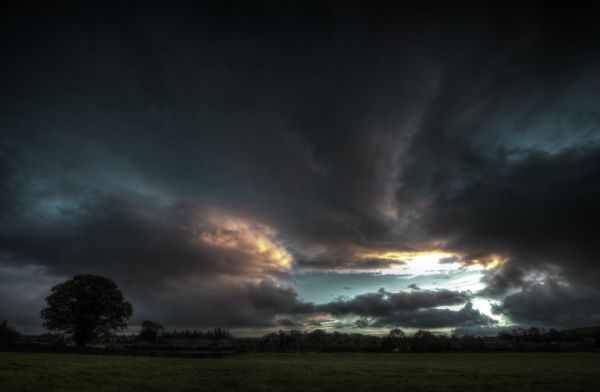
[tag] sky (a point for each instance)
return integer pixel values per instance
(351, 166)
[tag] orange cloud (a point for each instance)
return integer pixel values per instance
(255, 239)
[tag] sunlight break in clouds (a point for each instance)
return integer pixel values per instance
(255, 239)
(434, 262)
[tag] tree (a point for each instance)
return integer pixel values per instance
(150, 331)
(86, 306)
(423, 340)
(7, 333)
(394, 341)
(219, 334)
(396, 333)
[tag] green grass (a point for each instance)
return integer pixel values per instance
(304, 372)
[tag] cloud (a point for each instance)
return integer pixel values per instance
(361, 323)
(383, 302)
(501, 280)
(203, 160)
(506, 164)
(414, 309)
(552, 304)
(180, 263)
(467, 316)
(528, 211)
(449, 260)
(222, 302)
(105, 234)
(507, 155)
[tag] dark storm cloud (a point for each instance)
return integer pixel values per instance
(121, 238)
(161, 260)
(224, 302)
(344, 131)
(467, 316)
(415, 309)
(501, 280)
(383, 303)
(507, 161)
(553, 304)
(539, 210)
(228, 110)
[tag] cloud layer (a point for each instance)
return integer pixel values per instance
(204, 157)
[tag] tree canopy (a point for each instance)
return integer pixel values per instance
(150, 331)
(86, 306)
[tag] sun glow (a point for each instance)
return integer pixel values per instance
(425, 263)
(489, 262)
(415, 262)
(406, 256)
(245, 236)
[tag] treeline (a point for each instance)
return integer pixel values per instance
(154, 336)
(532, 339)
(519, 339)
(155, 339)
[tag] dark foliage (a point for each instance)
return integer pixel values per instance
(86, 307)
(7, 334)
(151, 331)
(532, 339)
(194, 343)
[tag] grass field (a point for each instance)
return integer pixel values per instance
(304, 372)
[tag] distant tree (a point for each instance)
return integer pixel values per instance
(504, 335)
(472, 343)
(596, 332)
(423, 340)
(397, 333)
(317, 338)
(7, 333)
(219, 334)
(219, 338)
(423, 335)
(553, 335)
(86, 306)
(395, 341)
(295, 339)
(150, 331)
(269, 341)
(534, 334)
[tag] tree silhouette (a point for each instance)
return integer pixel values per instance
(394, 340)
(396, 333)
(86, 306)
(150, 331)
(7, 333)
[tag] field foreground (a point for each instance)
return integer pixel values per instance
(304, 372)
